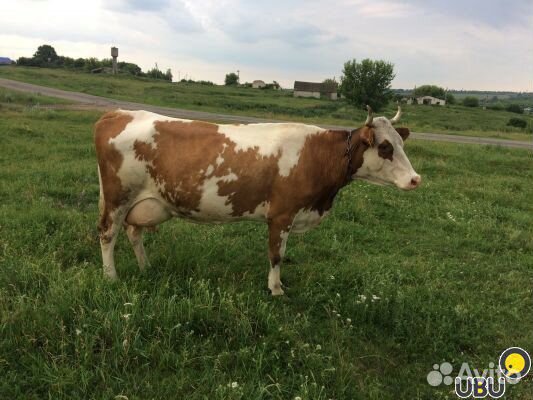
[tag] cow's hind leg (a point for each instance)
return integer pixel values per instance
(278, 233)
(135, 236)
(109, 228)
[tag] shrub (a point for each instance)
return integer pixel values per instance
(450, 99)
(514, 108)
(517, 122)
(471, 102)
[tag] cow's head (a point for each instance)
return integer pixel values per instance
(384, 160)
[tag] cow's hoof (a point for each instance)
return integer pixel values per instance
(111, 277)
(277, 291)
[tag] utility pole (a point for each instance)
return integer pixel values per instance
(238, 76)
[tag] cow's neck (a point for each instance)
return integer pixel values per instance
(343, 157)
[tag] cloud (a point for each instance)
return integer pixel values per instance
(494, 13)
(457, 43)
(137, 5)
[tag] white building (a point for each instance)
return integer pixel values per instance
(258, 84)
(317, 90)
(428, 100)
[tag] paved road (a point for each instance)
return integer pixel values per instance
(106, 103)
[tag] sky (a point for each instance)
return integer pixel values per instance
(457, 44)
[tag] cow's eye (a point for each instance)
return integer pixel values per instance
(385, 150)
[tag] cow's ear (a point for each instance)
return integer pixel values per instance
(403, 132)
(367, 136)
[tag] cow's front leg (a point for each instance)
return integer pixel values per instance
(278, 233)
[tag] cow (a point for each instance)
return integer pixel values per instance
(153, 168)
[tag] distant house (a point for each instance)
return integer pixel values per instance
(317, 90)
(6, 61)
(428, 100)
(258, 84)
(528, 110)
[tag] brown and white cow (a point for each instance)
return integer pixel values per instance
(153, 168)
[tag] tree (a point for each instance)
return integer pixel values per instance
(168, 75)
(430, 90)
(45, 54)
(471, 102)
(231, 79)
(367, 82)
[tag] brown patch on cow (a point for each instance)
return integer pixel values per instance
(182, 154)
(109, 126)
(403, 132)
(366, 134)
(386, 150)
(323, 169)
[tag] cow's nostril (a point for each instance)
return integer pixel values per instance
(415, 181)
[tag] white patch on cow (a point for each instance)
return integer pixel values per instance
(213, 207)
(209, 170)
(132, 171)
(284, 237)
(274, 281)
(286, 139)
(306, 219)
(259, 214)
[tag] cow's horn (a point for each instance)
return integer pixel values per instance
(370, 117)
(397, 116)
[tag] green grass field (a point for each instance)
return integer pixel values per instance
(390, 284)
(271, 103)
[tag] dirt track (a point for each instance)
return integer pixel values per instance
(88, 101)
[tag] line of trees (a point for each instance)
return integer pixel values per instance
(46, 56)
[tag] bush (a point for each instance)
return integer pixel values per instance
(450, 99)
(514, 108)
(517, 122)
(471, 102)
(156, 73)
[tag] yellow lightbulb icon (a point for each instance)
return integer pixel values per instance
(515, 363)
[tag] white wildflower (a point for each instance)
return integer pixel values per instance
(450, 216)
(78, 331)
(126, 316)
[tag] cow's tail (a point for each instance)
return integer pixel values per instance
(101, 202)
